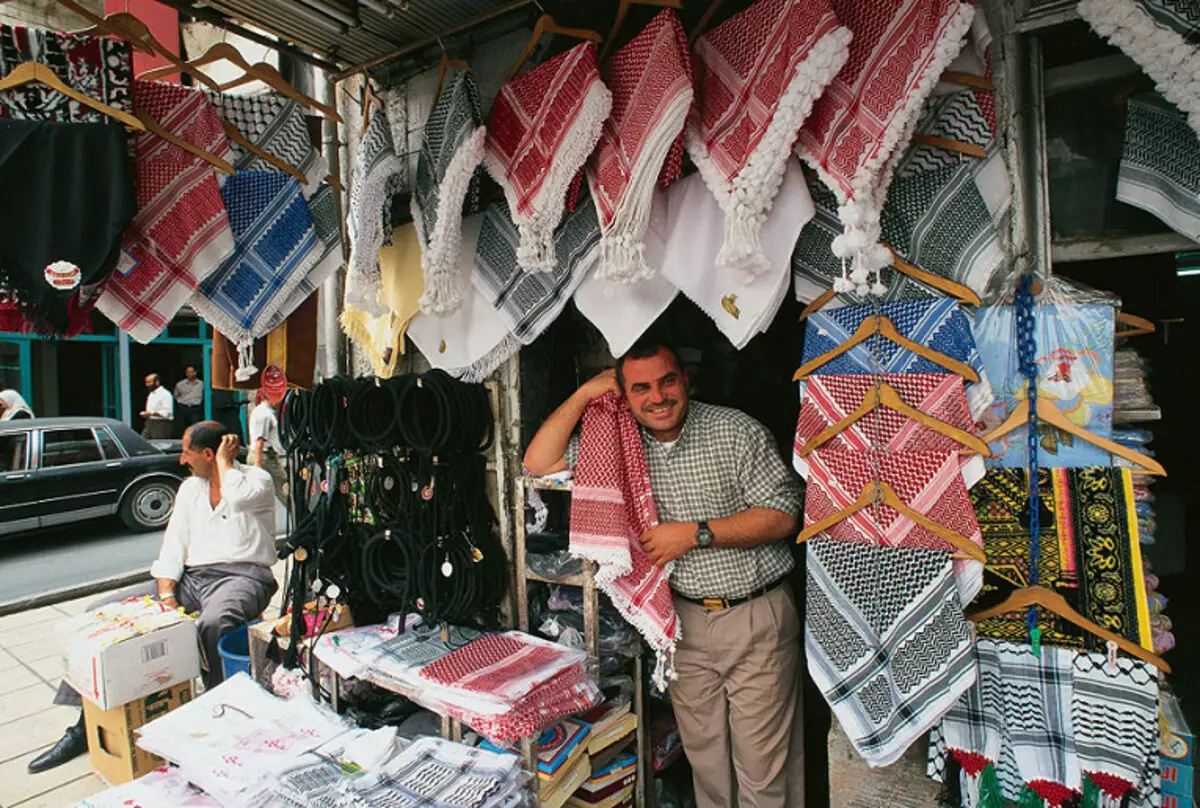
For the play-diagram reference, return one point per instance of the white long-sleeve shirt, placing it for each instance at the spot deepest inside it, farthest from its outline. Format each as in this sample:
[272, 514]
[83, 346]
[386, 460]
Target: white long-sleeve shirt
[240, 529]
[160, 404]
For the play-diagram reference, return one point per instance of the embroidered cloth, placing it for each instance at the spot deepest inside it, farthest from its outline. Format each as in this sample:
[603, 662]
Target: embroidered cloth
[1089, 552]
[741, 307]
[99, 67]
[442, 774]
[447, 187]
[886, 641]
[378, 176]
[758, 75]
[1160, 165]
[863, 122]
[382, 338]
[651, 83]
[181, 233]
[541, 129]
[277, 126]
[529, 302]
[322, 206]
[611, 507]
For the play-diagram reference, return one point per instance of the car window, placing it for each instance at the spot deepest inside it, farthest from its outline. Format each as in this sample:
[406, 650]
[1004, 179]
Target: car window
[66, 447]
[108, 445]
[12, 451]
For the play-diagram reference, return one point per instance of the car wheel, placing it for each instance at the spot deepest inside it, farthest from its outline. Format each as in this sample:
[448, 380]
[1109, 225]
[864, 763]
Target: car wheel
[148, 505]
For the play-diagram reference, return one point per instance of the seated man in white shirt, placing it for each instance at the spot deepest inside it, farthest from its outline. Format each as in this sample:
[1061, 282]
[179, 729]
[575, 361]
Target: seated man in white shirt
[215, 559]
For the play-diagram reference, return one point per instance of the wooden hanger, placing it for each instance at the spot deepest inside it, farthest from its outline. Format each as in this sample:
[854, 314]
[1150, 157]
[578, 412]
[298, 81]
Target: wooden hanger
[546, 25]
[1050, 414]
[878, 492]
[884, 327]
[968, 80]
[268, 75]
[370, 99]
[821, 300]
[1137, 325]
[1041, 596]
[235, 134]
[949, 144]
[444, 65]
[222, 51]
[888, 397]
[623, 11]
[155, 128]
[713, 7]
[27, 72]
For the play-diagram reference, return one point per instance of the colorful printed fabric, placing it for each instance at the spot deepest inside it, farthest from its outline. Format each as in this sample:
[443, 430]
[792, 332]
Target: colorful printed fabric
[99, 67]
[1089, 552]
[651, 83]
[542, 127]
[939, 324]
[529, 302]
[447, 188]
[378, 177]
[277, 126]
[611, 507]
[1075, 371]
[322, 206]
[1160, 165]
[886, 641]
[863, 122]
[181, 232]
[758, 75]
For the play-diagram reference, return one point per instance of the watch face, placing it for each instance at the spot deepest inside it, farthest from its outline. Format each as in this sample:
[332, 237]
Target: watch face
[704, 537]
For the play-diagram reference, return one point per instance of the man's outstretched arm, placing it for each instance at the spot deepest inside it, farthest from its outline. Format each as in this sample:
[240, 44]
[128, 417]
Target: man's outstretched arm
[546, 452]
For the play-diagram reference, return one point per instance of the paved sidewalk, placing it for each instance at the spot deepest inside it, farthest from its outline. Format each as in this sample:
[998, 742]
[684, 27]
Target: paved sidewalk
[30, 668]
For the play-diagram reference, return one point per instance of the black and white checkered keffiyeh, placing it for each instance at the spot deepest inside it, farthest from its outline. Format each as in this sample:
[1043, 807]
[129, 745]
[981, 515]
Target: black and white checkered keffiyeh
[275, 125]
[447, 188]
[434, 773]
[378, 177]
[1160, 164]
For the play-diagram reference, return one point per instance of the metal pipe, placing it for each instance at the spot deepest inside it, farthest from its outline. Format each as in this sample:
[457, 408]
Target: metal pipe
[316, 18]
[382, 9]
[343, 17]
[330, 301]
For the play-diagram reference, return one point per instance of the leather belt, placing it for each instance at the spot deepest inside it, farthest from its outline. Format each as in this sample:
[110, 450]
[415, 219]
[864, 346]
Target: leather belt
[720, 604]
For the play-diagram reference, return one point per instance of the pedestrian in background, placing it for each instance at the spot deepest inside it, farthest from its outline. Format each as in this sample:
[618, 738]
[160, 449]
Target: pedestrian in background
[12, 405]
[266, 449]
[159, 414]
[189, 399]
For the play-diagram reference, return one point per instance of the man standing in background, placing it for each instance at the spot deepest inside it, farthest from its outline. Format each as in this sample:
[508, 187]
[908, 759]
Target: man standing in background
[265, 447]
[160, 410]
[189, 399]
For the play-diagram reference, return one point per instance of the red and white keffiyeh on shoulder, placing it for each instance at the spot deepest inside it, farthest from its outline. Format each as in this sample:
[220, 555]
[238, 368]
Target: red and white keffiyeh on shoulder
[651, 83]
[611, 507]
[864, 121]
[758, 75]
[543, 126]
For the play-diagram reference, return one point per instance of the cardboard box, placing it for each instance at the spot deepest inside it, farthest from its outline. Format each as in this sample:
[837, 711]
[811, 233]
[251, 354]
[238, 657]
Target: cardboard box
[1176, 756]
[113, 675]
[111, 733]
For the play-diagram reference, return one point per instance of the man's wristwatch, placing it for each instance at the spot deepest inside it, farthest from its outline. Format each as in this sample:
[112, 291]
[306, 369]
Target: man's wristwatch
[704, 536]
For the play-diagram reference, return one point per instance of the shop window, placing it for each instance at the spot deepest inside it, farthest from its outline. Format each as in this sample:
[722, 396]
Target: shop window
[12, 451]
[66, 447]
[108, 445]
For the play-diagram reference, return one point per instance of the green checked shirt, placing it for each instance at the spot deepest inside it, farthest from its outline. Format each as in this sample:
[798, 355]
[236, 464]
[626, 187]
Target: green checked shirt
[723, 463]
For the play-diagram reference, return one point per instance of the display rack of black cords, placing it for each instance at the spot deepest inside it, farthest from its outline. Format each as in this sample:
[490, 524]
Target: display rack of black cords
[586, 580]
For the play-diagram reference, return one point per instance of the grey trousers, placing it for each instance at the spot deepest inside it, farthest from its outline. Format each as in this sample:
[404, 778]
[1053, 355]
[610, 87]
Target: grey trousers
[226, 595]
[157, 428]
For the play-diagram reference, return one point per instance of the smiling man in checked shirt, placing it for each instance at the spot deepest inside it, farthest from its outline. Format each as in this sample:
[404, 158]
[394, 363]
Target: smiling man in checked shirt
[728, 506]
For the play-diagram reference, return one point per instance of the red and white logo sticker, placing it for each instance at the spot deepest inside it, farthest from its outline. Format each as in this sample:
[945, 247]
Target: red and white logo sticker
[274, 383]
[63, 275]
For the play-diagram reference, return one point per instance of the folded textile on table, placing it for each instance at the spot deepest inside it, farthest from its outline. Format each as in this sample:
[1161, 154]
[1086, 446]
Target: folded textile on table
[1160, 164]
[443, 774]
[473, 341]
[758, 75]
[322, 206]
[542, 127]
[741, 307]
[447, 188]
[97, 66]
[529, 302]
[611, 507]
[650, 78]
[70, 198]
[862, 123]
[928, 482]
[166, 785]
[381, 337]
[940, 324]
[378, 177]
[277, 126]
[181, 233]
[886, 641]
[1089, 552]
[277, 246]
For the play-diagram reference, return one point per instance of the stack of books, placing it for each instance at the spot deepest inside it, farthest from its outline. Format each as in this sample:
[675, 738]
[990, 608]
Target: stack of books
[610, 787]
[563, 761]
[614, 729]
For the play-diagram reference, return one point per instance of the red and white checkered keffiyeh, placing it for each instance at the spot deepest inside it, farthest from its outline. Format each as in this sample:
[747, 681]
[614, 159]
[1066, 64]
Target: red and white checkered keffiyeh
[611, 507]
[181, 232]
[542, 127]
[861, 125]
[651, 83]
[758, 75]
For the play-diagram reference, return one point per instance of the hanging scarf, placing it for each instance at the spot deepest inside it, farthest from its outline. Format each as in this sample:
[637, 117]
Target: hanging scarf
[1160, 165]
[181, 232]
[277, 126]
[758, 75]
[542, 127]
[651, 83]
[323, 208]
[1163, 37]
[447, 188]
[382, 338]
[864, 121]
[378, 176]
[99, 67]
[741, 310]
[886, 641]
[611, 507]
[276, 248]
[529, 302]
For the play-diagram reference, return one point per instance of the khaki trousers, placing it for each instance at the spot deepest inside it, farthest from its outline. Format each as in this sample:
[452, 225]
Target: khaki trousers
[276, 466]
[735, 701]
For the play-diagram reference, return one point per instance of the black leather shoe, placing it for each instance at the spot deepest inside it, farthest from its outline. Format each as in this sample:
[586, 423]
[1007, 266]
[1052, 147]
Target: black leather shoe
[71, 745]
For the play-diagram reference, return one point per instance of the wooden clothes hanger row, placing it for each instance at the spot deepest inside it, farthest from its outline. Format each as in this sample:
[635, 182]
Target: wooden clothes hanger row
[879, 325]
[546, 25]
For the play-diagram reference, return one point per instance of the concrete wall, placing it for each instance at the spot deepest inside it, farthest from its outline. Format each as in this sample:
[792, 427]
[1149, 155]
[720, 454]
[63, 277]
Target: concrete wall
[854, 784]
